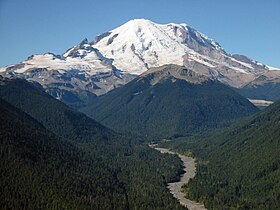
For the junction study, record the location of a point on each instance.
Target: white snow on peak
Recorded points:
(272, 68)
(91, 63)
(140, 44)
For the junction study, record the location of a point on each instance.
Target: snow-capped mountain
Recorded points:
(141, 44)
(75, 77)
(116, 57)
(145, 44)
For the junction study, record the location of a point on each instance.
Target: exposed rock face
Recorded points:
(165, 72)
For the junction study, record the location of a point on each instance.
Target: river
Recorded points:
(176, 187)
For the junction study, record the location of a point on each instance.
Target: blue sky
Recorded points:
(249, 27)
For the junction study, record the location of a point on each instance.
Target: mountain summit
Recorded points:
(141, 44)
(116, 57)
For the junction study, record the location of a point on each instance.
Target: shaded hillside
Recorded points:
(53, 114)
(75, 163)
(169, 101)
(39, 171)
(268, 91)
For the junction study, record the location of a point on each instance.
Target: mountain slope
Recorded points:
(117, 56)
(169, 101)
(97, 170)
(53, 114)
(146, 44)
(74, 79)
(38, 170)
(239, 167)
(141, 44)
(266, 87)
(243, 169)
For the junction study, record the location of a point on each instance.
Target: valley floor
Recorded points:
(176, 187)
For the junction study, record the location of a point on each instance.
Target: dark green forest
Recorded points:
(238, 168)
(53, 157)
(171, 108)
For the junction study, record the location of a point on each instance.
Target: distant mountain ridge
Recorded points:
(116, 57)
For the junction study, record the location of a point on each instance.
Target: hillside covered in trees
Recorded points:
(56, 158)
(168, 102)
(238, 168)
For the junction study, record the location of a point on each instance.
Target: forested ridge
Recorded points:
(238, 168)
(171, 107)
(39, 170)
(53, 157)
